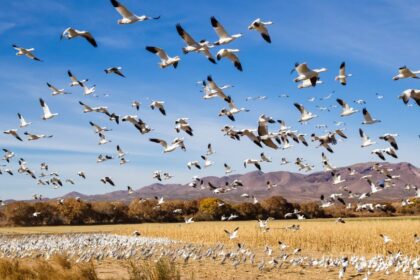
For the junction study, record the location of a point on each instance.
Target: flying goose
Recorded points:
(263, 133)
(368, 118)
(140, 125)
(108, 180)
(120, 152)
(366, 141)
(74, 81)
(347, 110)
(176, 143)
(102, 139)
(8, 155)
(261, 27)
(115, 70)
(404, 72)
(410, 93)
(189, 220)
(193, 46)
(87, 90)
(207, 161)
(71, 33)
(23, 122)
(385, 238)
(47, 113)
(224, 37)
(230, 54)
(336, 177)
(264, 158)
(26, 52)
(305, 73)
(255, 162)
(136, 104)
(14, 133)
(99, 129)
(195, 164)
(232, 235)
(55, 91)
(308, 84)
(342, 76)
(232, 109)
(182, 124)
(304, 115)
(165, 60)
(33, 137)
(213, 90)
(380, 153)
(390, 138)
(158, 105)
(127, 16)
(209, 150)
(228, 169)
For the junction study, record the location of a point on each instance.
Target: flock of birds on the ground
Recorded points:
(282, 138)
(101, 246)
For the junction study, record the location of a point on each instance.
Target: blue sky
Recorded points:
(374, 38)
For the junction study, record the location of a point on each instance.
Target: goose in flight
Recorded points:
(228, 169)
(165, 60)
(232, 235)
(47, 113)
(366, 141)
(265, 158)
(189, 220)
(136, 104)
(55, 91)
(261, 27)
(115, 70)
(380, 153)
(304, 114)
(102, 139)
(71, 33)
(8, 155)
(224, 37)
(385, 238)
(193, 46)
(120, 152)
(232, 109)
(176, 143)
(207, 161)
(127, 16)
(33, 137)
(81, 174)
(26, 52)
(342, 76)
(99, 129)
(404, 72)
(308, 84)
(305, 73)
(411, 93)
(336, 178)
(14, 133)
(255, 162)
(390, 138)
(368, 118)
(195, 164)
(209, 150)
(213, 90)
(23, 122)
(263, 132)
(182, 124)
(138, 123)
(74, 81)
(108, 180)
(230, 54)
(347, 110)
(87, 90)
(158, 105)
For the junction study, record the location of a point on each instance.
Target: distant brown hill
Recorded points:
(294, 187)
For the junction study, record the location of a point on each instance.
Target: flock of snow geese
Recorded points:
(261, 136)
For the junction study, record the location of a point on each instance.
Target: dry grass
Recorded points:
(356, 236)
(161, 270)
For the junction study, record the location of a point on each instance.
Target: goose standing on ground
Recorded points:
(74, 81)
(368, 118)
(14, 133)
(261, 27)
(193, 46)
(347, 110)
(404, 72)
(304, 115)
(23, 122)
(127, 16)
(55, 91)
(390, 138)
(176, 143)
(305, 73)
(115, 70)
(230, 54)
(410, 93)
(342, 76)
(366, 141)
(182, 124)
(47, 113)
(71, 33)
(165, 60)
(26, 52)
(158, 105)
(224, 37)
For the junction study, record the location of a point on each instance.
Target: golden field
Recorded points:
(316, 238)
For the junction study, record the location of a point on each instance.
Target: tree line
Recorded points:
(77, 212)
